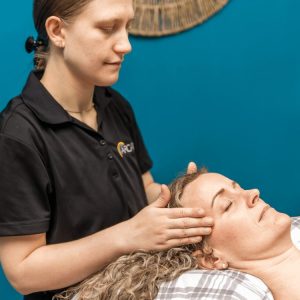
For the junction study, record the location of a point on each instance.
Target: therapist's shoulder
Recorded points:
(17, 121)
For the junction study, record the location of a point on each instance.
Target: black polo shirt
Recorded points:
(61, 177)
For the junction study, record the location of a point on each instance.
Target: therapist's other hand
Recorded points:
(192, 168)
(158, 228)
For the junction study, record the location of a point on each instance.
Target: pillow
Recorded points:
(221, 285)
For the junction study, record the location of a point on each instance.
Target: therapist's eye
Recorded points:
(108, 29)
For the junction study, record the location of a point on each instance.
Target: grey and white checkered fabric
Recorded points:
(207, 285)
(221, 285)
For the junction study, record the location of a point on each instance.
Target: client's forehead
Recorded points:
(199, 192)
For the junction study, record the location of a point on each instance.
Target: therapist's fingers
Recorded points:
(192, 168)
(184, 212)
(183, 241)
(188, 232)
(163, 199)
(184, 223)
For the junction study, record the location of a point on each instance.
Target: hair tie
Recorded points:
(31, 44)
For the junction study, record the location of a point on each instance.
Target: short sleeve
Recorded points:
(24, 186)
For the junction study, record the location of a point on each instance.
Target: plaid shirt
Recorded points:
(221, 285)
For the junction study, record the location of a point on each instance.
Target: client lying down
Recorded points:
(248, 236)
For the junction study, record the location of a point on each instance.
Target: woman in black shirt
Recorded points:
(75, 171)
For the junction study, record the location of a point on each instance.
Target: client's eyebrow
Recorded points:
(233, 183)
(215, 196)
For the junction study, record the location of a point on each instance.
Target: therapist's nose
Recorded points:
(252, 197)
(123, 46)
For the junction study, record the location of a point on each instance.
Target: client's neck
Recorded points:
(280, 273)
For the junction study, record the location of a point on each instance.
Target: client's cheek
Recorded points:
(222, 234)
(217, 237)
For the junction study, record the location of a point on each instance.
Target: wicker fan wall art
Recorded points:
(163, 17)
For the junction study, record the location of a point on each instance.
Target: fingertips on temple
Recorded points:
(207, 221)
(205, 231)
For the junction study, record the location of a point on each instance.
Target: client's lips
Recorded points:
(263, 212)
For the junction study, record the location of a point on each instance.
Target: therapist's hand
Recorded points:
(158, 228)
(192, 168)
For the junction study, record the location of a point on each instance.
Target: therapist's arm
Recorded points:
(32, 266)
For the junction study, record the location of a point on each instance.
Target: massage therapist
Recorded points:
(76, 182)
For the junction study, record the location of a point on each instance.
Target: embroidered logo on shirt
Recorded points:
(124, 149)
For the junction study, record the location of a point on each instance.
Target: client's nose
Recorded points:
(253, 197)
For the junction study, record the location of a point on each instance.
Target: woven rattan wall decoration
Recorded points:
(163, 17)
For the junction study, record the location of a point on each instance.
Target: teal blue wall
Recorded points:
(225, 94)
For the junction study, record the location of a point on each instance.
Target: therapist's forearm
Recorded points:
(152, 191)
(56, 266)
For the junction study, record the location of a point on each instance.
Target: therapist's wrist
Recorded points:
(122, 237)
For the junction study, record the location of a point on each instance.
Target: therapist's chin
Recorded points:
(109, 79)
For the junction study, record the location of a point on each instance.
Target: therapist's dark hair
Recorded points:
(42, 10)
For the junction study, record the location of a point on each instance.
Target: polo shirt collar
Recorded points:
(46, 108)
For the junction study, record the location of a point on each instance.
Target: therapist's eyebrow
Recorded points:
(112, 20)
(233, 183)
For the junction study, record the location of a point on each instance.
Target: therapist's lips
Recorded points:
(263, 212)
(116, 63)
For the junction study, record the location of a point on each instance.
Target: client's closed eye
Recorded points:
(228, 206)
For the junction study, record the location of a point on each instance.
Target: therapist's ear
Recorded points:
(55, 28)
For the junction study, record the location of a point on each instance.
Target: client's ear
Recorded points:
(220, 264)
(210, 261)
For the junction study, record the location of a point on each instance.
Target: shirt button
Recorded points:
(110, 156)
(102, 142)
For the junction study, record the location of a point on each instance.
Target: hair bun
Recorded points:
(30, 44)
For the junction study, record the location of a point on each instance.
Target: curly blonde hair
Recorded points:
(137, 276)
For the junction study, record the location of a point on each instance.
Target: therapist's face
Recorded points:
(246, 228)
(96, 41)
